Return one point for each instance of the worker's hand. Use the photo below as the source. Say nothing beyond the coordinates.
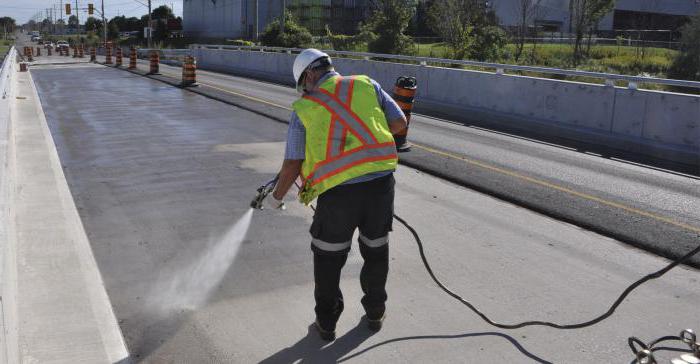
(271, 203)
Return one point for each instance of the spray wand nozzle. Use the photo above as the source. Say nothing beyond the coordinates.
(263, 191)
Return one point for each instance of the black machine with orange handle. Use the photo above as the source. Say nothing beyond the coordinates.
(404, 95)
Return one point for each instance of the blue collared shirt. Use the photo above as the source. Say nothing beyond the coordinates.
(296, 134)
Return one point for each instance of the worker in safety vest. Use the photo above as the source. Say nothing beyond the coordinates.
(340, 143)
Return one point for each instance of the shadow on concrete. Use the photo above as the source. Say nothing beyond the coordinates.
(311, 349)
(509, 338)
(157, 329)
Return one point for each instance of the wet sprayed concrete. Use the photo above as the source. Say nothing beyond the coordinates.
(159, 174)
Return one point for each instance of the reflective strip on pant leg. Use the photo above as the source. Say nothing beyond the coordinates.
(374, 243)
(331, 247)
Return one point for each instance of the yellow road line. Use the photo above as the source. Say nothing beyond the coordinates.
(560, 188)
(247, 96)
(511, 174)
(243, 95)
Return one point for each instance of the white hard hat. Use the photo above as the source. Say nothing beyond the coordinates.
(305, 59)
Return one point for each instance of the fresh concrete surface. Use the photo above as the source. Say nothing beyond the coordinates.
(638, 204)
(159, 174)
(58, 310)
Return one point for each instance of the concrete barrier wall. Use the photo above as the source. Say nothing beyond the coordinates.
(8, 338)
(664, 124)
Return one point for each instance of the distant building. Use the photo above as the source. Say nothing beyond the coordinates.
(237, 18)
(342, 16)
(553, 15)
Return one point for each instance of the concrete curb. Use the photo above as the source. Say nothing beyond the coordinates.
(640, 232)
(25, 343)
(8, 284)
(114, 343)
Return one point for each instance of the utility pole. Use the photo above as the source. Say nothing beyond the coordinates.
(150, 31)
(76, 15)
(104, 23)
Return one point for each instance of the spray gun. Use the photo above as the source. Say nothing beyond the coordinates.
(263, 191)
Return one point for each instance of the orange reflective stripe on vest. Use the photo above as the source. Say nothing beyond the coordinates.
(347, 134)
(345, 120)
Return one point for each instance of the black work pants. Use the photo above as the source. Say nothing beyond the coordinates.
(369, 207)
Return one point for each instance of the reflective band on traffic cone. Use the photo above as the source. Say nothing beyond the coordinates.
(404, 93)
(132, 58)
(118, 62)
(155, 59)
(38, 51)
(189, 72)
(93, 54)
(108, 54)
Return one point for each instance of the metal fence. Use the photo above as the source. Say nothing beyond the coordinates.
(499, 68)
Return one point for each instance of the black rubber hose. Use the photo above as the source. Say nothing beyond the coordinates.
(594, 321)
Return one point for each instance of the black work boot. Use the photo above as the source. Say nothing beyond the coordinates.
(326, 335)
(375, 324)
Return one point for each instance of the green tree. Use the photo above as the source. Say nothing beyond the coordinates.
(389, 21)
(350, 42)
(469, 28)
(46, 25)
(294, 36)
(455, 21)
(527, 11)
(162, 12)
(7, 25)
(161, 32)
(489, 43)
(686, 65)
(93, 25)
(133, 24)
(419, 26)
(585, 15)
(73, 22)
(112, 31)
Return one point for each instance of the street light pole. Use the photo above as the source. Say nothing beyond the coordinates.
(150, 31)
(256, 20)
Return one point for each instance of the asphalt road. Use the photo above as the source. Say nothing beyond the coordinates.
(643, 205)
(159, 174)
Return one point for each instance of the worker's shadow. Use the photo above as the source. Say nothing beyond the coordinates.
(310, 349)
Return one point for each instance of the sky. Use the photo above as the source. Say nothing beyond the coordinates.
(24, 10)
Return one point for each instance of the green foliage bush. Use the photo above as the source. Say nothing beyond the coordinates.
(295, 35)
(241, 42)
(357, 42)
(389, 22)
(686, 65)
(489, 43)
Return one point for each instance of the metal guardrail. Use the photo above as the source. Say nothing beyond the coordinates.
(6, 70)
(500, 68)
(175, 54)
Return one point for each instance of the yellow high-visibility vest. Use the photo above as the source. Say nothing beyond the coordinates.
(347, 134)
